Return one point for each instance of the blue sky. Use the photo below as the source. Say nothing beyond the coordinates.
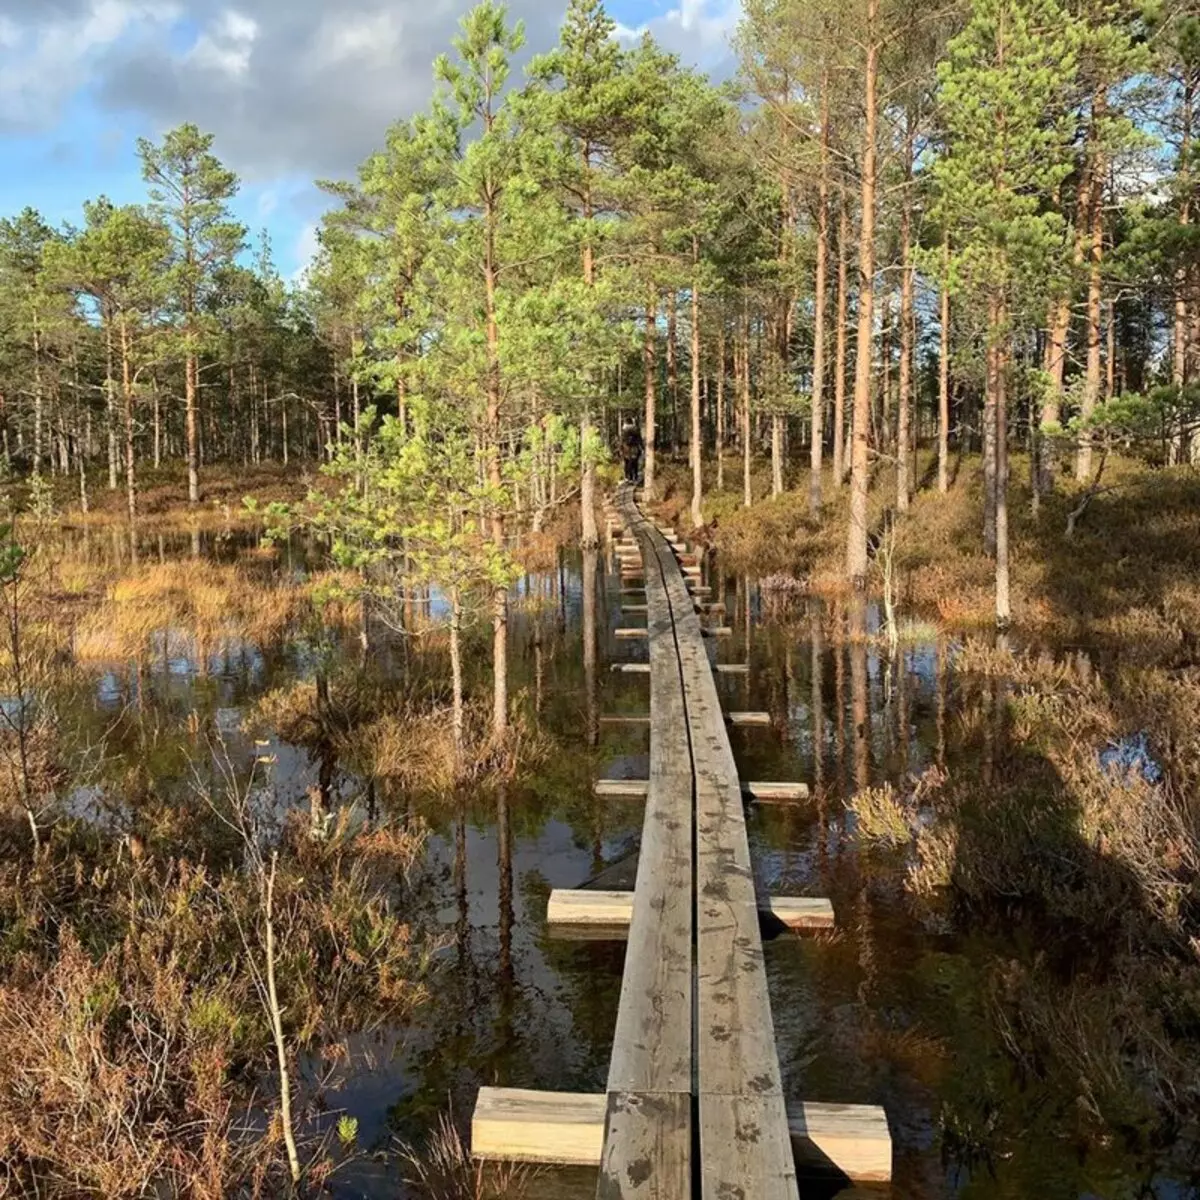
(293, 90)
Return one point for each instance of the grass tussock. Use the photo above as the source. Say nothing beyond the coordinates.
(443, 1169)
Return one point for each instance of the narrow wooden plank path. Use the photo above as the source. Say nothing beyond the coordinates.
(694, 1106)
(742, 1134)
(648, 1138)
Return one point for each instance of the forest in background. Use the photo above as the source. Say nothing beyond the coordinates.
(899, 233)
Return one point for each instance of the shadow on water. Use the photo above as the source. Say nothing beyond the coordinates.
(970, 1020)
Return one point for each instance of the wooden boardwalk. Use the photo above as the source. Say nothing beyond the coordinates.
(711, 935)
(694, 1106)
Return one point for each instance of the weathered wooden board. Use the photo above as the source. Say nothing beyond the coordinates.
(748, 718)
(733, 668)
(648, 1137)
(567, 1129)
(627, 789)
(571, 907)
(743, 1134)
(760, 791)
(631, 634)
(774, 793)
(624, 668)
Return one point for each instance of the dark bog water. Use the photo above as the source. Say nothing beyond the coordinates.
(899, 1007)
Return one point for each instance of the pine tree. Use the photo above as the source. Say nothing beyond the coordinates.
(190, 192)
(1007, 154)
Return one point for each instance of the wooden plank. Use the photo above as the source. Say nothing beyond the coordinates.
(635, 608)
(761, 792)
(647, 1152)
(648, 1136)
(768, 793)
(573, 907)
(630, 789)
(631, 668)
(567, 1129)
(742, 719)
(733, 668)
(631, 634)
(742, 1132)
(717, 631)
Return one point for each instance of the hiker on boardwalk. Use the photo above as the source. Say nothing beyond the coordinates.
(631, 451)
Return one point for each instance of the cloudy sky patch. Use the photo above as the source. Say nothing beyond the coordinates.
(293, 90)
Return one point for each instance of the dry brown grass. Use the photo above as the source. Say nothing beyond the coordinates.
(443, 1169)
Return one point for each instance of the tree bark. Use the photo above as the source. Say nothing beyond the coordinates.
(650, 367)
(817, 424)
(456, 674)
(856, 547)
(1179, 350)
(744, 382)
(110, 398)
(192, 401)
(904, 395)
(721, 405)
(840, 464)
(673, 362)
(944, 375)
(587, 482)
(1000, 406)
(1093, 378)
(989, 445)
(495, 481)
(127, 396)
(697, 428)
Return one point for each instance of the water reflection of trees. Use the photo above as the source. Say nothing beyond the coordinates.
(1021, 1047)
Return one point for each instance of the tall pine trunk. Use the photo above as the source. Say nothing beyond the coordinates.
(673, 362)
(989, 448)
(587, 483)
(496, 483)
(110, 399)
(192, 402)
(744, 383)
(721, 406)
(840, 464)
(856, 546)
(904, 402)
(697, 427)
(1000, 408)
(127, 395)
(817, 446)
(1179, 350)
(944, 375)
(650, 367)
(1093, 378)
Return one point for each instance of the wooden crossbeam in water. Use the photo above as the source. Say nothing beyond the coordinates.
(567, 1129)
(571, 909)
(761, 791)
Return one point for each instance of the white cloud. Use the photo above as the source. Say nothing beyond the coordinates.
(305, 252)
(291, 89)
(697, 30)
(365, 38)
(227, 46)
(43, 60)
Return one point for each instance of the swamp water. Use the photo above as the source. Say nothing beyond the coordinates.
(895, 1008)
